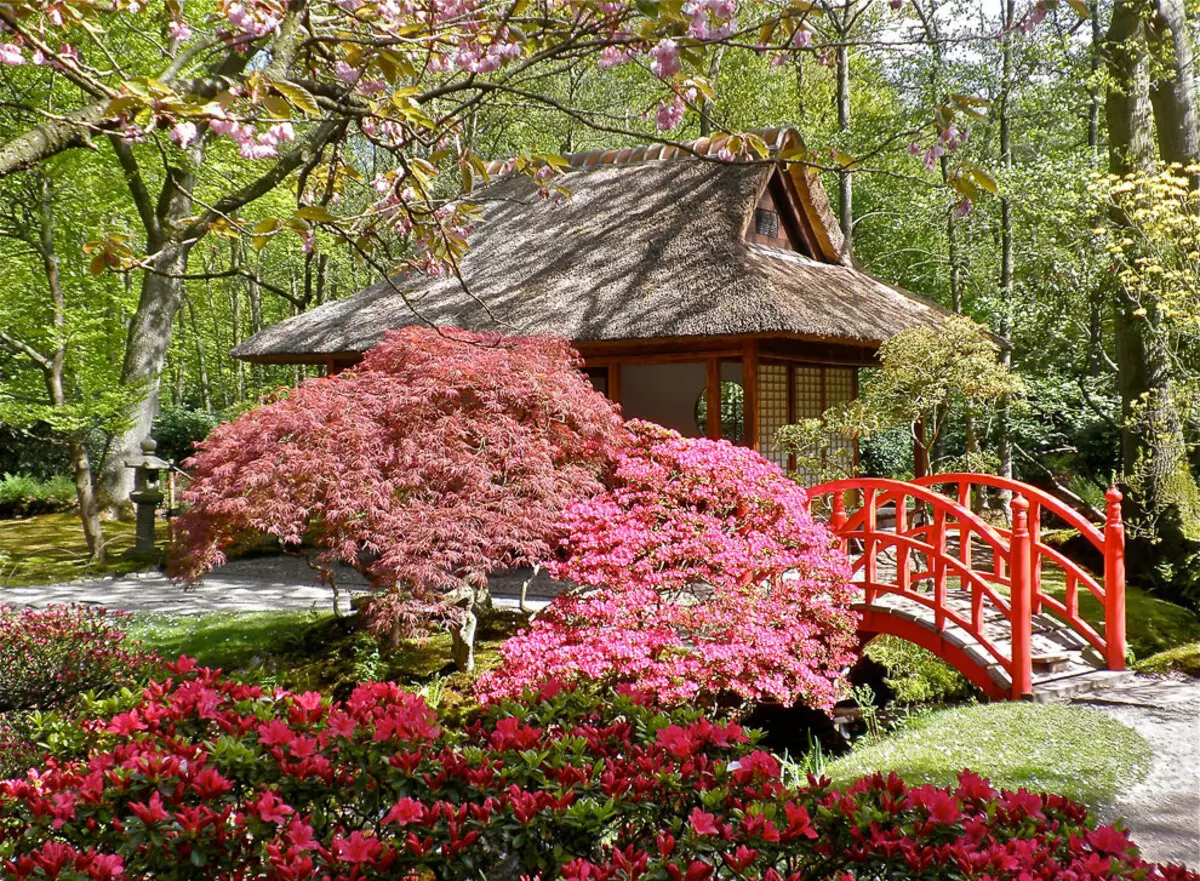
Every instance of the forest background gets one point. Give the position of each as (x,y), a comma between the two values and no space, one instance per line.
(965,145)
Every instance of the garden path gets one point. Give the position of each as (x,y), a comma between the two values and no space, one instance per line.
(1163,811)
(256,584)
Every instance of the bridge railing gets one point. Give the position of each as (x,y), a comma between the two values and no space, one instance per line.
(1108,541)
(941,538)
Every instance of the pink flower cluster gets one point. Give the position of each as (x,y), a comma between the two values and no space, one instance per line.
(949,139)
(47,656)
(253,144)
(710,19)
(701,574)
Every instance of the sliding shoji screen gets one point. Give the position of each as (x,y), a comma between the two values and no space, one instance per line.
(791,392)
(772,409)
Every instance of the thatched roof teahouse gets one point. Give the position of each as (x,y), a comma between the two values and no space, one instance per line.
(684,282)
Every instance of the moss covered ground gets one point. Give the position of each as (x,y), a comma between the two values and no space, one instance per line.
(49,549)
(1074,751)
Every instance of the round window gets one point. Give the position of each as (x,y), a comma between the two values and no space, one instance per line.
(732,422)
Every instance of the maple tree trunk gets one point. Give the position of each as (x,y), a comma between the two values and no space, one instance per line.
(463,638)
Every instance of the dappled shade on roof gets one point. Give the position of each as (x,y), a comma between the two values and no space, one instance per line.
(640,251)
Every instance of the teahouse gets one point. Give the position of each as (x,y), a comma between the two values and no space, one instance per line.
(713,297)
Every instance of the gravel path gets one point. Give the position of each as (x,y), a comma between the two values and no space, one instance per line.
(257,584)
(1163,811)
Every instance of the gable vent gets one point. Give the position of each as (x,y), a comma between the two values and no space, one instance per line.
(766,223)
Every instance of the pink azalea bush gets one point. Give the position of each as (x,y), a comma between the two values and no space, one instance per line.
(702,575)
(203,778)
(48,656)
(442,456)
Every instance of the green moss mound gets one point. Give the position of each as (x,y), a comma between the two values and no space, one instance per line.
(1075,751)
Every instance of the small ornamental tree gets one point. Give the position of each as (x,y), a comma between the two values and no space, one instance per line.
(442,456)
(702,576)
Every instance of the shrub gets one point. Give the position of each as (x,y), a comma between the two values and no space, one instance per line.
(203,778)
(442,456)
(24,496)
(48,656)
(916,675)
(178,430)
(702,576)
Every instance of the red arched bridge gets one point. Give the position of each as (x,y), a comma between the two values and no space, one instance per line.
(934,572)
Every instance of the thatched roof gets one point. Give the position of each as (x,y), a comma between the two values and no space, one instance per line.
(641,250)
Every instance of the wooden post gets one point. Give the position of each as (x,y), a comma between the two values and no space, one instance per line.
(870,545)
(614,383)
(1020,570)
(1114,582)
(837,520)
(712,396)
(750,392)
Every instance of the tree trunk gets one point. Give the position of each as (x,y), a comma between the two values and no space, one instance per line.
(201,359)
(145,353)
(1004,445)
(845,178)
(54,370)
(1162,502)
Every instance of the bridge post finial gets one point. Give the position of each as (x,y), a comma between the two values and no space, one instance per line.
(1020,568)
(1114,582)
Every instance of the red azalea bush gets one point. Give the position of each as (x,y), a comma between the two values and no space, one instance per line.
(208,779)
(702,575)
(442,456)
(48,656)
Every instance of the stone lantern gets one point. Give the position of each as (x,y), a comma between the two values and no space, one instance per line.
(147,492)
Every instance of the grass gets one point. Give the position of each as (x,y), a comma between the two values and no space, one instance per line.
(1075,751)
(1152,625)
(49,549)
(315,650)
(236,641)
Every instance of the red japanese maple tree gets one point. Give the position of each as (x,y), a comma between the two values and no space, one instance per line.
(442,456)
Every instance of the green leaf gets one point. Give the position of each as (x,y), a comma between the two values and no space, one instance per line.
(315,213)
(299,97)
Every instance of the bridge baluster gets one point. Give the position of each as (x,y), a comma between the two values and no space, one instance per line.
(1020,570)
(1035,536)
(838,520)
(870,544)
(937,566)
(964,535)
(1114,581)
(903,576)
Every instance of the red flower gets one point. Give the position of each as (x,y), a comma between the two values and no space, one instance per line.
(703,823)
(150,813)
(126,724)
(1109,840)
(799,822)
(210,784)
(406,811)
(358,848)
(741,859)
(270,808)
